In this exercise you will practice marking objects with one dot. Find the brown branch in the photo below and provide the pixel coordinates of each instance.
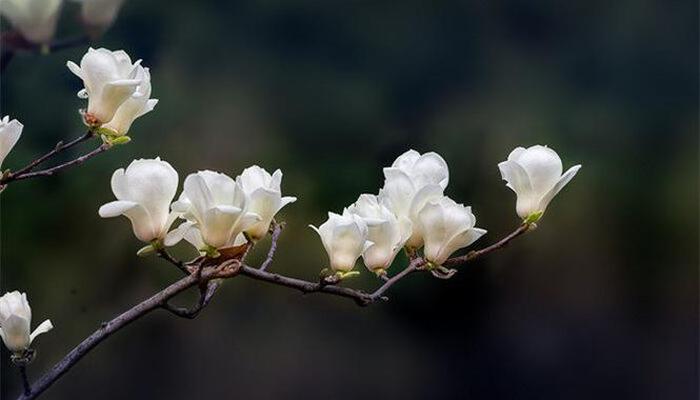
(206, 293)
(25, 380)
(164, 254)
(53, 170)
(60, 146)
(276, 231)
(208, 276)
(472, 255)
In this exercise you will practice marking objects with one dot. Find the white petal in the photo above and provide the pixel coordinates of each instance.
(542, 165)
(116, 208)
(42, 328)
(568, 175)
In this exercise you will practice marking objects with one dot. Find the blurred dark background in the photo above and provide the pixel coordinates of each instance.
(600, 302)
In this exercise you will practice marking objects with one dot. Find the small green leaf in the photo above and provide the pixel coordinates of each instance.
(146, 251)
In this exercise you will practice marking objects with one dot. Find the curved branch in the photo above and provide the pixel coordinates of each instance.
(53, 170)
(208, 278)
(276, 231)
(60, 146)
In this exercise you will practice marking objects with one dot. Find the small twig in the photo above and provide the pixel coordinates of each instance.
(53, 170)
(60, 146)
(25, 380)
(413, 266)
(164, 254)
(486, 250)
(276, 231)
(206, 293)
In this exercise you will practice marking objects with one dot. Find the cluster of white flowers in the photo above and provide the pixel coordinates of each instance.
(218, 211)
(410, 211)
(118, 91)
(36, 20)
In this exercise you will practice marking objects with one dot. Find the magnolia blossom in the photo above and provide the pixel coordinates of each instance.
(100, 14)
(138, 104)
(110, 79)
(447, 227)
(144, 192)
(264, 197)
(34, 19)
(384, 231)
(216, 209)
(535, 175)
(345, 238)
(412, 181)
(10, 131)
(15, 322)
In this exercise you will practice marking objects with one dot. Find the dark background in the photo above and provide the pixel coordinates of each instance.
(600, 302)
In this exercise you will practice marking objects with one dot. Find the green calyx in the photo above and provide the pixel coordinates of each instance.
(327, 275)
(210, 252)
(532, 218)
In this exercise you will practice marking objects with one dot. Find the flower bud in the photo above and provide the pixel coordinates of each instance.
(384, 231)
(264, 197)
(345, 238)
(144, 192)
(15, 322)
(34, 19)
(99, 15)
(10, 131)
(447, 227)
(535, 175)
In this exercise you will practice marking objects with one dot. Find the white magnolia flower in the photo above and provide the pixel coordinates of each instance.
(100, 14)
(216, 208)
(264, 197)
(535, 175)
(384, 231)
(412, 181)
(447, 227)
(34, 19)
(110, 79)
(345, 238)
(144, 192)
(10, 131)
(138, 104)
(15, 322)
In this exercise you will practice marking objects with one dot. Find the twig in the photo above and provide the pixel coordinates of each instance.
(60, 146)
(53, 170)
(164, 254)
(25, 380)
(276, 231)
(486, 250)
(206, 293)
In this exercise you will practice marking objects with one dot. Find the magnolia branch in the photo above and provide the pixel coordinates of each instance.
(27, 172)
(207, 274)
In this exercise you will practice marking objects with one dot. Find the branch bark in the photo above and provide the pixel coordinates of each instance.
(208, 277)
(12, 177)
